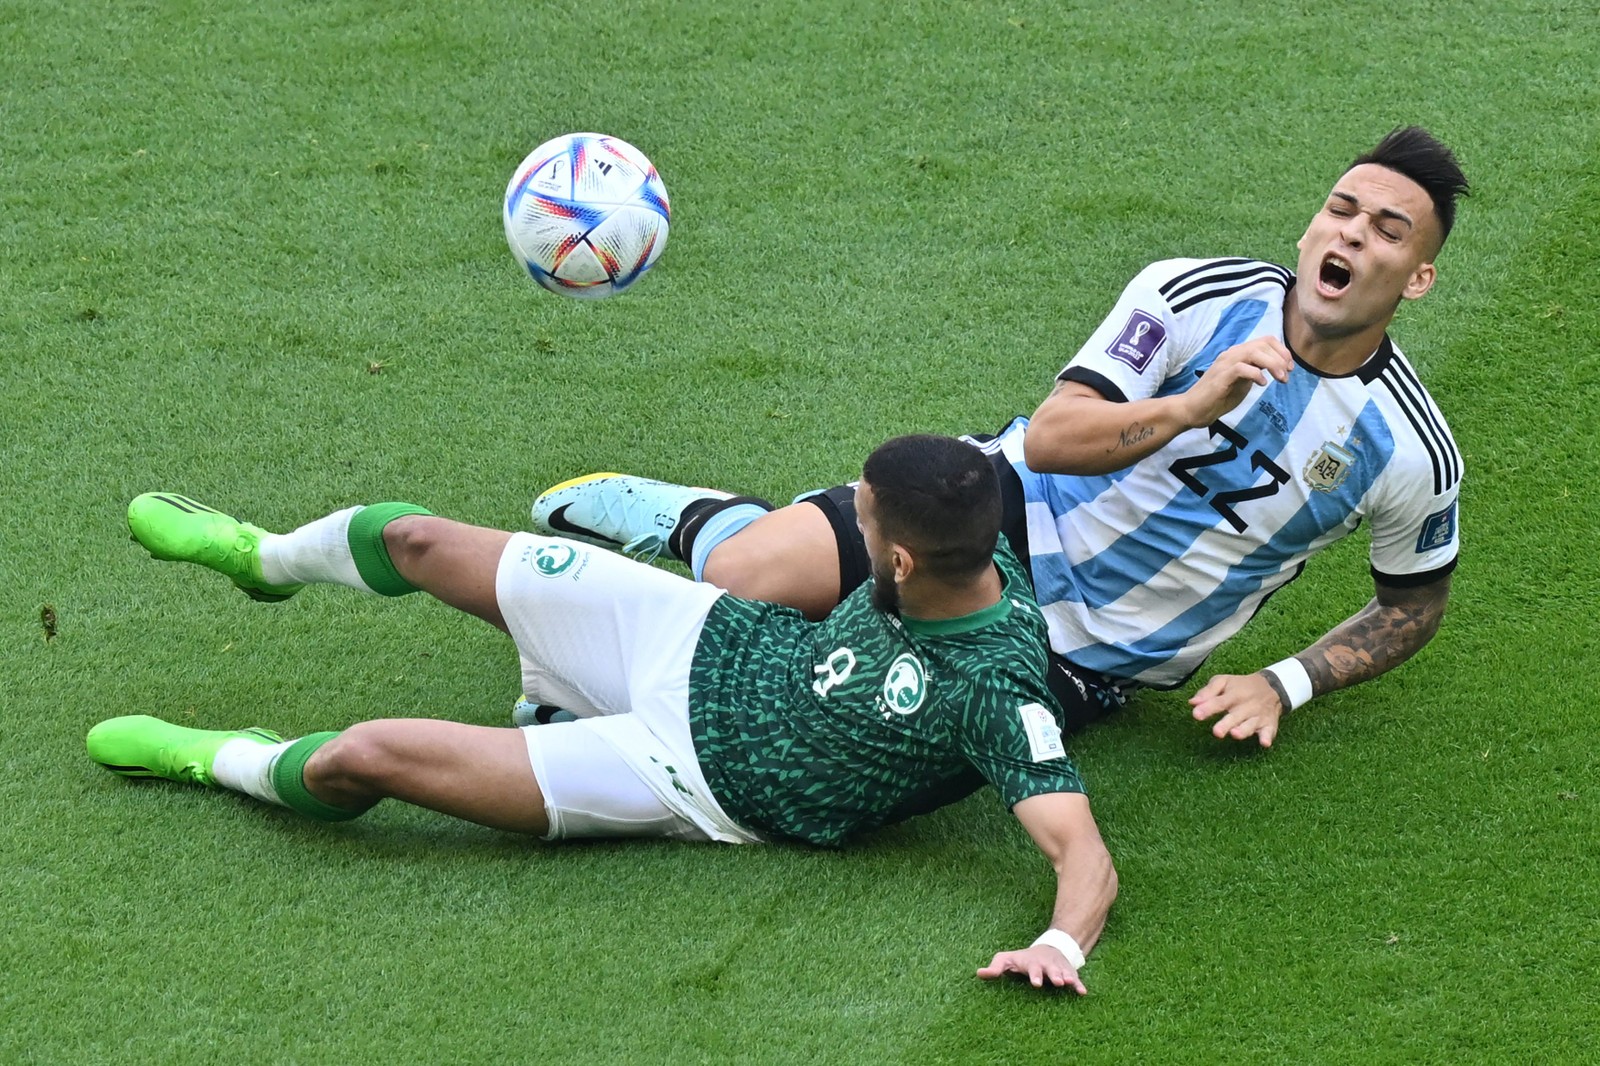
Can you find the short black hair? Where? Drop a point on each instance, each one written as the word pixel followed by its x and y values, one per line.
pixel 940 497
pixel 1422 157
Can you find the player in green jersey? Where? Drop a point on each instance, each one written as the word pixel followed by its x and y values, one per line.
pixel 700 716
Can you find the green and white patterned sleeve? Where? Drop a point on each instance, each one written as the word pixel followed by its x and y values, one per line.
pixel 1015 742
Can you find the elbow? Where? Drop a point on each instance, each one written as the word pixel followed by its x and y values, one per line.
pixel 1044 454
pixel 1427 627
pixel 1031 446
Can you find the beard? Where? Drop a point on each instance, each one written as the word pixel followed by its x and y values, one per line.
pixel 885 593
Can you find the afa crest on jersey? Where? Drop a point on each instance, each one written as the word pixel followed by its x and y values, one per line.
pixel 1328 467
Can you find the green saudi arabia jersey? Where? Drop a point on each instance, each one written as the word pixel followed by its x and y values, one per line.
pixel 816 731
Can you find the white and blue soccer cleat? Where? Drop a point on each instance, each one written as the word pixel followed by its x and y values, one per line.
pixel 525 713
pixel 634 515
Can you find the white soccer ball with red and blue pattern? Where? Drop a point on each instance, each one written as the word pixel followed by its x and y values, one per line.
pixel 586 215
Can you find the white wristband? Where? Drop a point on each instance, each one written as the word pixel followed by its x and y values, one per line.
pixel 1063 943
pixel 1291 674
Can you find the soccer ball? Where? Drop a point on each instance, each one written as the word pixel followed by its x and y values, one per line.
pixel 586 215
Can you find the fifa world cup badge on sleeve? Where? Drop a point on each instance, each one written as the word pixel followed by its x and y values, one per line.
pixel 1139 341
pixel 1044 732
pixel 1438 530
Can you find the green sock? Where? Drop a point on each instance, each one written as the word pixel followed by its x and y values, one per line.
pixel 367 548
pixel 288 778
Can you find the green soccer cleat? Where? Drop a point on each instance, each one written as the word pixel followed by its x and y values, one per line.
pixel 176 528
pixel 138 745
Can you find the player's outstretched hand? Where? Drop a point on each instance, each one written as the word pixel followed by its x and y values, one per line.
pixel 1226 382
pixel 1249 707
pixel 1040 964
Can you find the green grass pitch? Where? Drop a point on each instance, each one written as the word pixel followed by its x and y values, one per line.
pixel 251 252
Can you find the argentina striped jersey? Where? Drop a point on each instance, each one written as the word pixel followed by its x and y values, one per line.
pixel 1143 572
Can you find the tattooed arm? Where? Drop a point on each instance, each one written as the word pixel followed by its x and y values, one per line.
pixel 1078 431
pixel 1382 635
pixel 1385 633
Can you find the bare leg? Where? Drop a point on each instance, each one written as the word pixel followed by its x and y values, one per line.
pixel 473 772
pixel 787 556
pixel 451 561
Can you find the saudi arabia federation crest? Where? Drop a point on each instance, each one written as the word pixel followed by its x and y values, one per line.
pixel 905 687
pixel 1328 468
pixel 552 560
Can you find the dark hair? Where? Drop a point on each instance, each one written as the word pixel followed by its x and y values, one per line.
pixel 940 498
pixel 1422 157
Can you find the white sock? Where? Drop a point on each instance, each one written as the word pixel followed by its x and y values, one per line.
pixel 318 553
pixel 246 766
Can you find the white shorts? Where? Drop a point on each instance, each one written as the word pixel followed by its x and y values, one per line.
pixel 612 641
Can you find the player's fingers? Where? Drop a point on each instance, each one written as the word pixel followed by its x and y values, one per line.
pixel 1210 689
pixel 1265 347
pixel 1282 359
pixel 1230 367
pixel 1261 726
pixel 997 966
pixel 1247 370
pixel 1227 723
pixel 1219 704
pixel 1265 352
pixel 1245 724
pixel 1271 355
pixel 1065 977
pixel 1035 975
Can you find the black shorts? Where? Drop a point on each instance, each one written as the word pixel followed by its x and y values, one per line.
pixel 1085 696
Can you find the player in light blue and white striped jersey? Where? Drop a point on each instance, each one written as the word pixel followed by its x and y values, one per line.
pixel 1145 569
pixel 1228 420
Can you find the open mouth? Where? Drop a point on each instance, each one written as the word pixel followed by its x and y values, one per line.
pixel 1334 277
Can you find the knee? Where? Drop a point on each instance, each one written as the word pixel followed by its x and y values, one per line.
pixel 410 537
pixel 358 759
pixel 750 567
pixel 739 564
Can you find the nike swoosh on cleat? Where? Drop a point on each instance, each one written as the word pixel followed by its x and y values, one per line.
pixel 558 521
